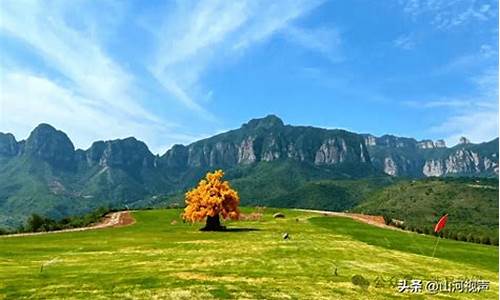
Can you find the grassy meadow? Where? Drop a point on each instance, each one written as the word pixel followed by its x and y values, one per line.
pixel 160 257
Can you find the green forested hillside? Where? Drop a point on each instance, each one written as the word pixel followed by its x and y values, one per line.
pixel 335 195
pixel 472 206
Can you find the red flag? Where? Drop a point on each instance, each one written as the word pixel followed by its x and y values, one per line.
pixel 441 223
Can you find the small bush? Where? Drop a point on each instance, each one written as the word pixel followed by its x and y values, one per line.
pixel 387 219
pixel 470 238
pixel 37 223
pixel 462 237
pixel 485 240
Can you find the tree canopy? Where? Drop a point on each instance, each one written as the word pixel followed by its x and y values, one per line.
pixel 212 198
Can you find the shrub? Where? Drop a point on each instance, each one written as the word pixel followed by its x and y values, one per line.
pixel 35 223
pixel 470 238
pixel 387 219
pixel 462 237
pixel 485 240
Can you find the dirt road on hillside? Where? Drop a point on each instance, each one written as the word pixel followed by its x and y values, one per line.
pixel 114 219
pixel 368 219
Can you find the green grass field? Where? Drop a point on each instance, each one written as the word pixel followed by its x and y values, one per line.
pixel 155 259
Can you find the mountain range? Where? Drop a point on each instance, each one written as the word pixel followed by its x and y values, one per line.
pixel 265 159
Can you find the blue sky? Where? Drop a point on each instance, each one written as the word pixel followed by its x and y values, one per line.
pixel 172 72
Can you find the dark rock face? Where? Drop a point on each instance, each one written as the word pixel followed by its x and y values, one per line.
pixel 268 139
pixel 128 153
pixel 50 145
pixel 268 122
pixel 261 140
pixel 8 145
pixel 176 157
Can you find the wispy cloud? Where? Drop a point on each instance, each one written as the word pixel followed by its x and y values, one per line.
pixel 323 40
pixel 446 14
pixel 91 92
pixel 405 42
pixel 474 116
pixel 74 54
pixel 450 103
pixel 198 35
pixel 87 92
pixel 478 126
pixel 484 56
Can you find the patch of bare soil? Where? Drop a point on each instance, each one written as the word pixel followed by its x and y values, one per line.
pixel 114 219
pixel 125 219
pixel 368 219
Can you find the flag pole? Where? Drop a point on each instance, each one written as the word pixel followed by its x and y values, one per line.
pixel 439 226
pixel 435 245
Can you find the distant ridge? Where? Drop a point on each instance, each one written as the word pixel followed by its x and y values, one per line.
pixel 45 174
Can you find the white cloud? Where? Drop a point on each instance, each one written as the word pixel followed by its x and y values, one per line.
pixel 475 116
pixel 86 93
pixel 446 14
pixel 325 41
pixel 73 54
pixel 477 126
pixel 266 18
pixel 405 42
pixel 27 100
pixel 487 51
pixel 198 35
pixel 450 103
pixel 484 56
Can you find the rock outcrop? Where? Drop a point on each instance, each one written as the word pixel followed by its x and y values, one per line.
pixel 8 145
pixel 268 139
pixel 50 145
pixel 408 157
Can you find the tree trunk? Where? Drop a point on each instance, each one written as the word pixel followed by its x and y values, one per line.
pixel 213 224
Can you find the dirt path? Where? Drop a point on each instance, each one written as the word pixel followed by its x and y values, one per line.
pixel 368 219
pixel 114 219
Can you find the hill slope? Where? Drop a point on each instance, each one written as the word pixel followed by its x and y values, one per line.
pixel 334 195
pixel 472 205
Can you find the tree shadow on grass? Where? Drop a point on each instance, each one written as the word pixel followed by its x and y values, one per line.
pixel 240 229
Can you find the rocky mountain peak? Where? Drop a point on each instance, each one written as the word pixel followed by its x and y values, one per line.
pixel 51 145
pixel 429 144
pixel 8 145
pixel 128 152
pixel 390 141
pixel 440 144
pixel 426 144
pixel 267 122
pixel 463 140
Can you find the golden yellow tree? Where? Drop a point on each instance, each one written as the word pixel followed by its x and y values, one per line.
pixel 212 198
